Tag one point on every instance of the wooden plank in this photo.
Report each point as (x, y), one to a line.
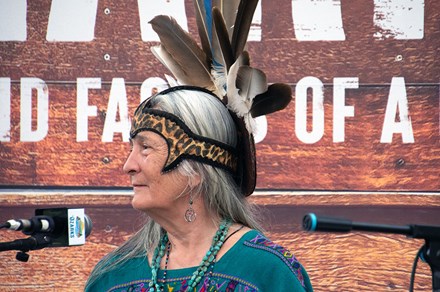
(280, 54)
(336, 262)
(360, 162)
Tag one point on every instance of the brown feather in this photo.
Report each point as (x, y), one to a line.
(276, 98)
(182, 51)
(222, 49)
(228, 8)
(242, 25)
(202, 26)
(164, 56)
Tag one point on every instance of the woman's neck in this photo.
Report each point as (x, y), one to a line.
(190, 241)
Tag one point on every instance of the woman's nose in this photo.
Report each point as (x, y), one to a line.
(131, 166)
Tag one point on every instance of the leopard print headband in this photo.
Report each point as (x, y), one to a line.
(182, 142)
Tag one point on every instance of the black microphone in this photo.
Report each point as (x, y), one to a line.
(312, 222)
(63, 226)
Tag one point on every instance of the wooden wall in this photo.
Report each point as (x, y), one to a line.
(335, 261)
(364, 177)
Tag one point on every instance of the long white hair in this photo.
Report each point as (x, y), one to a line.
(205, 115)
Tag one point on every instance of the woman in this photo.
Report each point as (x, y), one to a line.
(192, 164)
(202, 234)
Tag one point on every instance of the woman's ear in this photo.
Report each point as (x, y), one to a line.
(194, 181)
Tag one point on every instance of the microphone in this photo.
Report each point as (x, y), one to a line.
(33, 225)
(64, 227)
(312, 222)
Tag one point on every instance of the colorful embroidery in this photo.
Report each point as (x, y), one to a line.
(218, 282)
(262, 242)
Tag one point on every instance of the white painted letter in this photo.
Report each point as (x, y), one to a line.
(318, 20)
(72, 21)
(301, 110)
(13, 20)
(5, 109)
(255, 29)
(399, 19)
(83, 109)
(117, 100)
(340, 111)
(397, 100)
(26, 132)
(260, 129)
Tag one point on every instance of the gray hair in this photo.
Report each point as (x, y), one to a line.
(205, 115)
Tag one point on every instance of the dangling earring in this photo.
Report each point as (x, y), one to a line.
(190, 214)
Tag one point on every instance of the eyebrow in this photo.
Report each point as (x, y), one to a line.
(139, 138)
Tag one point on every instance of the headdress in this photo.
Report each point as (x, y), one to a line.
(222, 66)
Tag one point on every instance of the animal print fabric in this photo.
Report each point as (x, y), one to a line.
(182, 142)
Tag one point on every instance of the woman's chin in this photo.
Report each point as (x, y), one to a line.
(139, 204)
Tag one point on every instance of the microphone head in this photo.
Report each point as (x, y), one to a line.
(88, 225)
(309, 222)
(71, 227)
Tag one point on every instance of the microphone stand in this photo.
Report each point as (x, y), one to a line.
(36, 241)
(429, 252)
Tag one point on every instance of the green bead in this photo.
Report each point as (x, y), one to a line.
(207, 261)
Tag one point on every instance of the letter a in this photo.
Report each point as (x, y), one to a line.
(397, 100)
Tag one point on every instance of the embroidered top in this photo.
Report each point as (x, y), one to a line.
(254, 263)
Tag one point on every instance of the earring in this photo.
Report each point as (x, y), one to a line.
(190, 214)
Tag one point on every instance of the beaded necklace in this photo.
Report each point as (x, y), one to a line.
(207, 263)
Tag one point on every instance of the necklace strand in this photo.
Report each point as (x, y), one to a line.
(206, 265)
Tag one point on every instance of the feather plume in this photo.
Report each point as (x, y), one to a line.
(228, 8)
(250, 83)
(165, 57)
(221, 39)
(181, 54)
(276, 98)
(242, 25)
(204, 24)
(245, 83)
(232, 90)
(171, 81)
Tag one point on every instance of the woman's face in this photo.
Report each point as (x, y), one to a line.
(153, 190)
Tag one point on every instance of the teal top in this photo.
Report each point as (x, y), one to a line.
(254, 263)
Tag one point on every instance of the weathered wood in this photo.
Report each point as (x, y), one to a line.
(360, 178)
(361, 162)
(280, 54)
(336, 262)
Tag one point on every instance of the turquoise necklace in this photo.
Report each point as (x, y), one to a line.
(207, 262)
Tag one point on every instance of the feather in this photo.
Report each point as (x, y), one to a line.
(245, 83)
(250, 83)
(242, 25)
(166, 59)
(171, 81)
(181, 54)
(277, 97)
(228, 9)
(232, 90)
(222, 50)
(204, 24)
